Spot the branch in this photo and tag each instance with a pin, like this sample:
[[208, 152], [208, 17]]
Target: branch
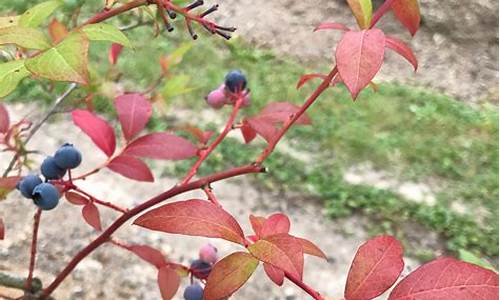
[[304, 287], [100, 202], [36, 225], [37, 126], [176, 190]]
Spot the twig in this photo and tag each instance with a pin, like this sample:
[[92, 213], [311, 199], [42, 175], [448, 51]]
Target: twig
[[37, 126], [205, 153], [304, 287], [210, 195], [36, 225], [103, 203]]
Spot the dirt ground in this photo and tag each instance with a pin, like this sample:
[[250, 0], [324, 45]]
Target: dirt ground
[[457, 46]]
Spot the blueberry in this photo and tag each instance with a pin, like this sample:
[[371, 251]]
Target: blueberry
[[46, 196], [236, 81], [27, 184], [51, 170], [67, 157], [193, 292], [200, 269]]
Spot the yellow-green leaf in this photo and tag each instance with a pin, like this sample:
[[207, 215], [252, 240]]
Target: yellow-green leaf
[[67, 61], [176, 86], [8, 21], [24, 37], [106, 32], [38, 13], [362, 11], [11, 73]]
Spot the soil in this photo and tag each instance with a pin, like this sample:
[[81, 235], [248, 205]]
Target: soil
[[457, 46]]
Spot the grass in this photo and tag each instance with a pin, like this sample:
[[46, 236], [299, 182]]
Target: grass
[[413, 134]]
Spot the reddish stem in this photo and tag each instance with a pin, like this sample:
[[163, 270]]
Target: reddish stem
[[211, 196], [100, 202], [321, 88], [176, 190], [384, 8], [104, 15], [304, 287], [206, 152], [36, 225]]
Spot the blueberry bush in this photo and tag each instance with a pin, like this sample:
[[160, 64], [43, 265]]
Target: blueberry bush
[[63, 57]]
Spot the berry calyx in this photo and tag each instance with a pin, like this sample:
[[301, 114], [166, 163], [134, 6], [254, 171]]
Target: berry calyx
[[46, 196], [235, 81], [50, 170], [67, 157], [193, 292], [27, 184], [200, 269]]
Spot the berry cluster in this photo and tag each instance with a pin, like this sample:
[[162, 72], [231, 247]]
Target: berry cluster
[[200, 268], [44, 194], [234, 84]]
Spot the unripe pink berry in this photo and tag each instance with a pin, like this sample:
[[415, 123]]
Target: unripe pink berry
[[208, 254], [216, 99], [246, 100]]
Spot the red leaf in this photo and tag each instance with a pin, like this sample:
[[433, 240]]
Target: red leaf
[[331, 25], [114, 53], [162, 145], [257, 223], [91, 215], [375, 268], [169, 282], [195, 218], [2, 230], [402, 49], [275, 224], [281, 112], [7, 185], [248, 132], [76, 199], [97, 129], [134, 112], [447, 278], [131, 167], [310, 248], [229, 274], [149, 254], [4, 119], [408, 13], [57, 31], [359, 56], [264, 127], [305, 78], [282, 251], [276, 275]]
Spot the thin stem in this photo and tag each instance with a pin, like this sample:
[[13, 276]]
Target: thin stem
[[103, 203], [316, 295], [211, 196], [104, 15], [321, 88], [206, 152], [37, 126], [36, 225], [176, 190], [380, 12]]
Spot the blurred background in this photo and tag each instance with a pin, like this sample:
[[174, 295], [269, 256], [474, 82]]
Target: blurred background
[[417, 159]]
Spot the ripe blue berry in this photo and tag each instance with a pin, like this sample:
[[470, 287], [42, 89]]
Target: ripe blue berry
[[235, 81], [28, 184], [51, 170], [193, 292], [46, 196], [200, 269], [67, 157]]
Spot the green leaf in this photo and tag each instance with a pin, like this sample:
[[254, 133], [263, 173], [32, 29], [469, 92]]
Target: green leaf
[[67, 61], [176, 86], [8, 21], [473, 259], [362, 11], [11, 73], [24, 37], [106, 32], [38, 13]]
